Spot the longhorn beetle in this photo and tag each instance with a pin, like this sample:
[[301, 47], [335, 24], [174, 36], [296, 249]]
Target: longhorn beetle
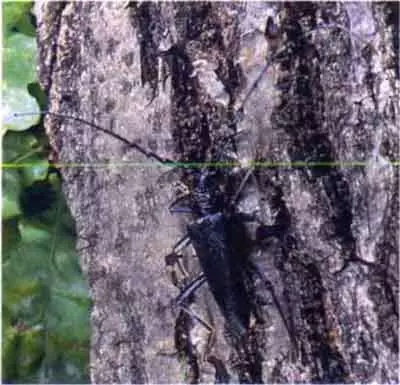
[[210, 234], [226, 270]]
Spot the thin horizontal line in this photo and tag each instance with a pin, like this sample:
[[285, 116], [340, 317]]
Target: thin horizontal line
[[254, 164]]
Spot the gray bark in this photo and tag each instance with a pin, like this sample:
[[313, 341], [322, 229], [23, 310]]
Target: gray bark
[[329, 96]]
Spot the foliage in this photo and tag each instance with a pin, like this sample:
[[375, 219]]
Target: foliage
[[19, 61], [45, 311]]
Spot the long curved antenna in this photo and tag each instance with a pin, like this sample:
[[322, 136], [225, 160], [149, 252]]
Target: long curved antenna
[[254, 85], [148, 154], [269, 60]]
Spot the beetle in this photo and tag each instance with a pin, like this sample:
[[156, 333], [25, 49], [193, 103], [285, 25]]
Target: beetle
[[213, 235]]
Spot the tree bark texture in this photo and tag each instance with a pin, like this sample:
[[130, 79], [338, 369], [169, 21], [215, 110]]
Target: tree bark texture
[[170, 75]]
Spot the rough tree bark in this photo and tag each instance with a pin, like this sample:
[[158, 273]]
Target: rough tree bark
[[168, 74]]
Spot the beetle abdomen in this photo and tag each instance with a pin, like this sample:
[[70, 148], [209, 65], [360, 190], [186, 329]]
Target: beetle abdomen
[[209, 238]]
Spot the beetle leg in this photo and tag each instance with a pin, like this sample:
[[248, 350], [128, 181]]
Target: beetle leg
[[190, 288], [242, 184], [183, 241], [221, 374], [240, 108], [173, 209], [183, 299], [174, 259], [171, 260], [186, 308], [203, 344], [180, 210], [249, 173]]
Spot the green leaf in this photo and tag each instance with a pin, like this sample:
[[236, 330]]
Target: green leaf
[[35, 169], [27, 288], [11, 194], [16, 16], [43, 288], [10, 350], [25, 149], [17, 146], [26, 262], [18, 100], [19, 60], [30, 352], [36, 91], [45, 309], [22, 300], [19, 69], [10, 236], [34, 232]]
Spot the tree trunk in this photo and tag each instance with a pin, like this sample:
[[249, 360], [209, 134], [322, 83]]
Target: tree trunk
[[170, 75]]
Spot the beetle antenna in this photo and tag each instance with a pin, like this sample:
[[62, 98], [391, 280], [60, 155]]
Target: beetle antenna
[[137, 147]]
